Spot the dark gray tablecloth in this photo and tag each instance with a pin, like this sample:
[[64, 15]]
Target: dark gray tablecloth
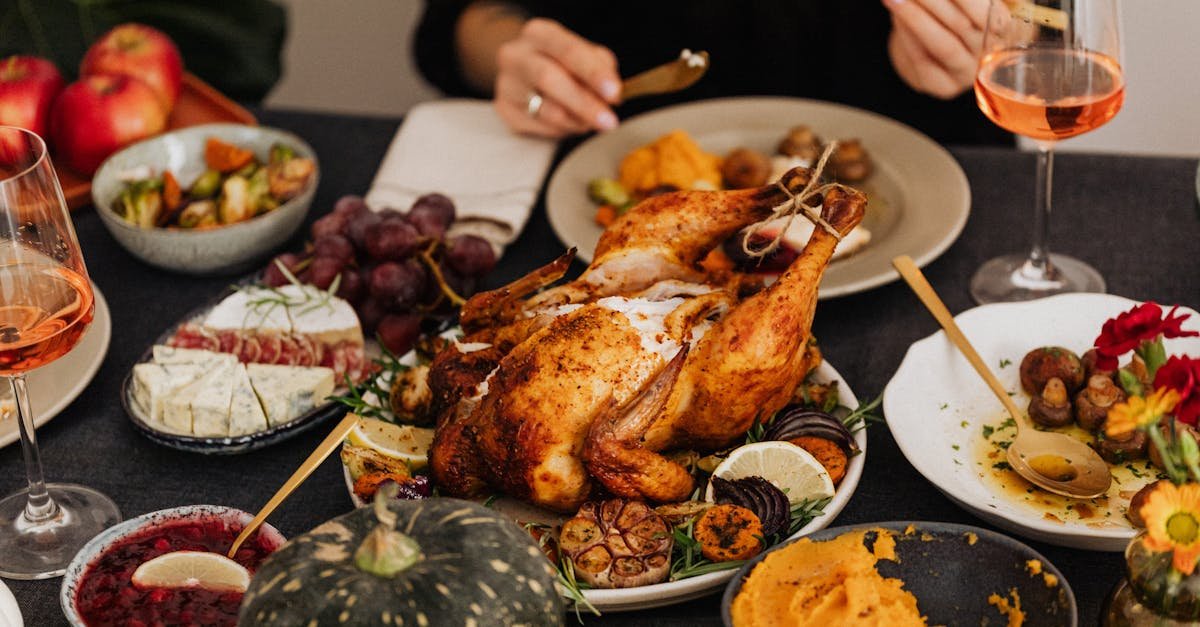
[[1133, 218]]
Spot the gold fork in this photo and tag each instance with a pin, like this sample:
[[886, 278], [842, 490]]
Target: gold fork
[[672, 76]]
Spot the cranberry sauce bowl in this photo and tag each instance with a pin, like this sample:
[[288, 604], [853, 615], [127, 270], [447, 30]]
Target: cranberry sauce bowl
[[98, 589]]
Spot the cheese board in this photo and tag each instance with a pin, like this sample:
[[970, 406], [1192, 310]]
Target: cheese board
[[249, 369]]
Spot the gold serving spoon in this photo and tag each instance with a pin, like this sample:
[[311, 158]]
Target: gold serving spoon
[[1055, 462], [668, 77], [322, 451]]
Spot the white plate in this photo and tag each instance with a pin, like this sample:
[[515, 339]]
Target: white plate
[[935, 402], [918, 197], [53, 387], [670, 593], [10, 613]]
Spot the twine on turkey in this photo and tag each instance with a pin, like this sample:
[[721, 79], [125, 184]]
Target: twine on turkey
[[794, 205]]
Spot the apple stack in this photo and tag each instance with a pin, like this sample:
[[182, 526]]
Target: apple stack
[[129, 81]]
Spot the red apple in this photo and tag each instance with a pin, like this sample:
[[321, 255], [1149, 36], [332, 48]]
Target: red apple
[[98, 114], [28, 86], [142, 52]]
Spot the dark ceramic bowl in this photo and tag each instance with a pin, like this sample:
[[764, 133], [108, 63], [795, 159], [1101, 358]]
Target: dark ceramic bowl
[[952, 578]]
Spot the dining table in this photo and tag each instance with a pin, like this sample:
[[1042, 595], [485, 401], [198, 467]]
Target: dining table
[[1135, 218]]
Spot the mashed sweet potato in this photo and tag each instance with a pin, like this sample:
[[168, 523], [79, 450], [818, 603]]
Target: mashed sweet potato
[[673, 160], [826, 584]]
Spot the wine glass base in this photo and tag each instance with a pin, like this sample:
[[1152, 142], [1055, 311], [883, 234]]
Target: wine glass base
[[43, 549], [1011, 279]]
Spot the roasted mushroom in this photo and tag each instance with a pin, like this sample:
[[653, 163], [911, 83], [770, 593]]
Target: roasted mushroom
[[801, 142], [410, 395], [617, 544], [1116, 450], [1051, 408], [850, 162], [745, 168], [1088, 359], [1134, 513], [1049, 362], [1093, 401]]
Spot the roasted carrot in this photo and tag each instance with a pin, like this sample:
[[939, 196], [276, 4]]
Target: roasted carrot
[[728, 532], [225, 157], [368, 484], [831, 456], [172, 194], [606, 215]]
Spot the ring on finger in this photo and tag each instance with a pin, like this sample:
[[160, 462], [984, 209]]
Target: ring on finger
[[533, 105]]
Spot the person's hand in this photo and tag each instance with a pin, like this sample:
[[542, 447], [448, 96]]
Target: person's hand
[[935, 44], [575, 79]]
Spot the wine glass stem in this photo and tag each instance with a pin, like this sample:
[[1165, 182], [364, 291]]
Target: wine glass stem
[[39, 506], [1038, 265]]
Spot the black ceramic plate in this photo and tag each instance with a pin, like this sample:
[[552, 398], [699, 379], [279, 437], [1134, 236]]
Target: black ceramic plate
[[952, 578], [224, 445]]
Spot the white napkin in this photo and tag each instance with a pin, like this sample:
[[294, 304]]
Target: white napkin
[[462, 149], [10, 614]]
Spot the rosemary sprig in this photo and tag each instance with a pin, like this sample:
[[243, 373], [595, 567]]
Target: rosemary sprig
[[574, 589], [863, 415]]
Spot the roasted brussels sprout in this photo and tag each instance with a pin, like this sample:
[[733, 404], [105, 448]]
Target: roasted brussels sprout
[[141, 203], [280, 153], [1093, 401], [206, 185], [744, 168], [607, 191], [1051, 408], [801, 142], [288, 178], [1049, 362], [850, 162], [199, 213]]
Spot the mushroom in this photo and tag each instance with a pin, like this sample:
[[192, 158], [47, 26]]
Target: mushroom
[[1050, 362], [1052, 408], [743, 168], [1093, 402], [1116, 450], [1134, 513], [850, 161], [1088, 360], [801, 142]]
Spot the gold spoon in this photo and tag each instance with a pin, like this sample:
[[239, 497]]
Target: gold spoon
[[323, 450], [668, 77], [1055, 462]]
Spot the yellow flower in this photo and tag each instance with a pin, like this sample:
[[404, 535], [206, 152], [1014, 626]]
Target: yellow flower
[[1139, 413], [1172, 515]]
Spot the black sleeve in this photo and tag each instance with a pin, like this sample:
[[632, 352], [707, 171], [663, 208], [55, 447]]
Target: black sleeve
[[435, 49]]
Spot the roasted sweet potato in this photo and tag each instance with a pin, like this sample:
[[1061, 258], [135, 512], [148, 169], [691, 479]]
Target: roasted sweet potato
[[728, 532], [225, 157], [831, 456], [172, 194], [605, 215], [367, 485]]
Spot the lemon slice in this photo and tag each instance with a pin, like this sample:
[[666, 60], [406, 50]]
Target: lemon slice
[[192, 569], [404, 442], [787, 466]]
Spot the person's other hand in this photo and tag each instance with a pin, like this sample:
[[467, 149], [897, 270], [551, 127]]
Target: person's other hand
[[935, 44], [576, 79]]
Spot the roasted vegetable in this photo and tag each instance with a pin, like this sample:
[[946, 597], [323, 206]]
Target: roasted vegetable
[[606, 191], [280, 153], [172, 194], [677, 514], [743, 168], [206, 185], [141, 203], [410, 395], [1134, 512], [1094, 400], [361, 460], [456, 563], [235, 203], [729, 532], [801, 142], [617, 544], [758, 495], [1116, 450], [831, 456], [850, 162], [1088, 359], [1042, 364], [365, 486], [198, 213], [225, 157], [795, 421], [288, 178], [1051, 408]]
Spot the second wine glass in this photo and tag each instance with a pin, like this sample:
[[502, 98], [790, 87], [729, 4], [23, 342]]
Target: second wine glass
[[1050, 70]]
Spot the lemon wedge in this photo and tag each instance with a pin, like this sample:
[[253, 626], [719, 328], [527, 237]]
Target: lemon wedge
[[192, 569], [404, 442], [787, 466]]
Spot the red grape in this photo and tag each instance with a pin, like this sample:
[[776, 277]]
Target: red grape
[[432, 214], [334, 246], [360, 225], [384, 214], [392, 240], [352, 287], [273, 276], [399, 332], [330, 224], [324, 270], [470, 255], [349, 205], [397, 285], [370, 312]]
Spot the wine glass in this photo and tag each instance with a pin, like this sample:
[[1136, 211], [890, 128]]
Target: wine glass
[[46, 304], [1050, 70]]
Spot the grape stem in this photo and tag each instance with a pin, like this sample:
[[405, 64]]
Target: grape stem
[[455, 299]]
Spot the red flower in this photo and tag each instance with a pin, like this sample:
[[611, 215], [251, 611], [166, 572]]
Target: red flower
[[1182, 374], [1129, 329]]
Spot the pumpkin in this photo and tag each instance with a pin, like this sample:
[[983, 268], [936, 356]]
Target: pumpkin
[[435, 561]]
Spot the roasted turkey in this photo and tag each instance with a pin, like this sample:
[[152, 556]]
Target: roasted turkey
[[556, 395]]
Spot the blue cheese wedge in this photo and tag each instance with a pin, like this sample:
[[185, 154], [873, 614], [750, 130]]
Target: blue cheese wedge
[[177, 413], [154, 383], [287, 392], [174, 355], [246, 413], [211, 405]]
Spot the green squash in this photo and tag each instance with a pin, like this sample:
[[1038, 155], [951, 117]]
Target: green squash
[[428, 562]]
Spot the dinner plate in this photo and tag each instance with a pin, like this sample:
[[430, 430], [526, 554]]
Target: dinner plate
[[226, 445], [938, 409], [953, 569], [671, 593], [54, 386], [918, 197], [10, 613]]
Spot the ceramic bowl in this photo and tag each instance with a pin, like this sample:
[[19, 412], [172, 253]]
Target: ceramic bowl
[[224, 250], [119, 531], [952, 570]]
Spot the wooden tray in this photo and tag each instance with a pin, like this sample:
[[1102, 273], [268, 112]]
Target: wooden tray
[[199, 103]]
